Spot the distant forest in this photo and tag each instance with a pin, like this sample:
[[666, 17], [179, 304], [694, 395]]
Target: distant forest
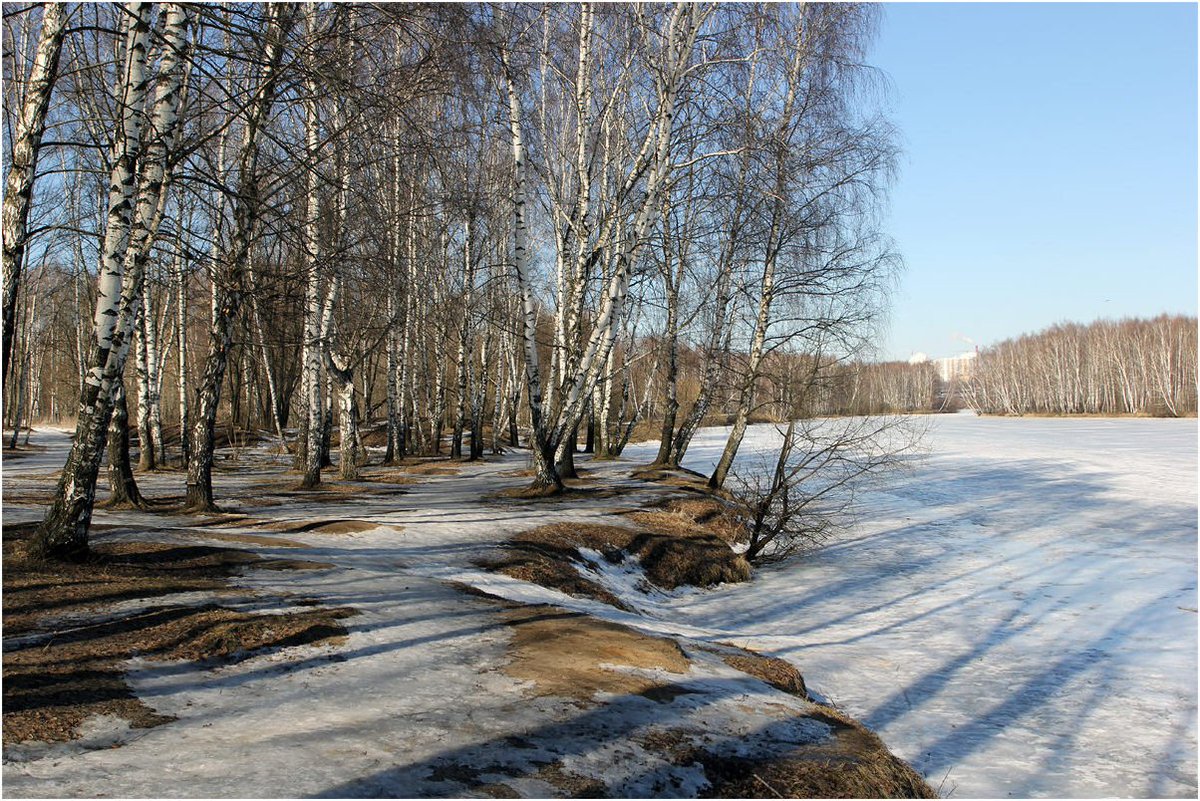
[[1131, 366]]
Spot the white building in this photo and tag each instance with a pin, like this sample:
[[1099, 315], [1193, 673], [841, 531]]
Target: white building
[[956, 368]]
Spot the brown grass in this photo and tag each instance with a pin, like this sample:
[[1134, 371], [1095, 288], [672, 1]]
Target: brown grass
[[431, 468], [383, 475], [249, 539], [573, 489], [778, 673], [853, 763], [698, 560], [686, 516], [49, 690], [672, 551], [544, 556], [54, 684], [564, 654], [319, 526]]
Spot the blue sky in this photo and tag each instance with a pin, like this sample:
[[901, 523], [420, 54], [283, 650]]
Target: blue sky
[[1049, 166]]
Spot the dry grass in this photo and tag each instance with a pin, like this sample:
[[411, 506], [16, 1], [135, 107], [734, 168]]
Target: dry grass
[[686, 516], [569, 784], [319, 526], [573, 489], [778, 673], [431, 468], [698, 560], [566, 654], [249, 539], [546, 556], [384, 475], [50, 690], [572, 655], [684, 542], [51, 686], [853, 763]]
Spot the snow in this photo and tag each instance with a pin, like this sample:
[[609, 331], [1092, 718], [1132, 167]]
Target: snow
[[1015, 614], [415, 695]]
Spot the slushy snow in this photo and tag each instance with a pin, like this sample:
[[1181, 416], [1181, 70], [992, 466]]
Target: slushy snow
[[1015, 614]]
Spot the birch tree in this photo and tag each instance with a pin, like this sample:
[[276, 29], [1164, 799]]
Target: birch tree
[[26, 146], [63, 532]]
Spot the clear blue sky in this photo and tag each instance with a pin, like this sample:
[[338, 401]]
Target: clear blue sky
[[1049, 166]]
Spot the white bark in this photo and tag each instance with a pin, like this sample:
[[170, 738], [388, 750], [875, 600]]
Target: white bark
[[26, 144]]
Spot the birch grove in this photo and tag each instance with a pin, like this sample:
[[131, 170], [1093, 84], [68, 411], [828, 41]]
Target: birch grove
[[372, 232]]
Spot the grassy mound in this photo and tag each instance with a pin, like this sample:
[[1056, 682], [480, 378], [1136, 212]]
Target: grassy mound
[[679, 542]]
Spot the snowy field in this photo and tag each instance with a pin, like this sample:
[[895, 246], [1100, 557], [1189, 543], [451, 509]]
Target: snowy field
[[1015, 615]]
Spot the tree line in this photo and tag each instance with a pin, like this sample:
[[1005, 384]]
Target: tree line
[[1128, 366], [434, 227]]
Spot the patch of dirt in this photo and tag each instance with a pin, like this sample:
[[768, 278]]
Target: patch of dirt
[[291, 564], [54, 684], [116, 571], [50, 689], [249, 539], [386, 476], [853, 763], [572, 785], [779, 673], [546, 556], [699, 560], [330, 490], [683, 554], [432, 468], [673, 477], [321, 526], [21, 451], [573, 490], [28, 497], [566, 654], [685, 516]]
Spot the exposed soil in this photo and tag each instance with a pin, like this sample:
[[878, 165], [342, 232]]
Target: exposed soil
[[547, 555], [569, 654], [687, 516], [431, 468], [851, 764], [684, 542], [778, 673], [53, 683], [321, 526], [583, 487], [21, 451]]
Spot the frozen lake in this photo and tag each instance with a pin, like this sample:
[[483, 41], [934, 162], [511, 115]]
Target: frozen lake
[[1015, 615]]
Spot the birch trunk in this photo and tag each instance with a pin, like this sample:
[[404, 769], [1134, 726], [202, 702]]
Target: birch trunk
[[26, 144], [142, 369], [464, 351], [230, 290], [309, 453], [543, 449], [125, 492], [181, 355], [767, 287], [63, 532]]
